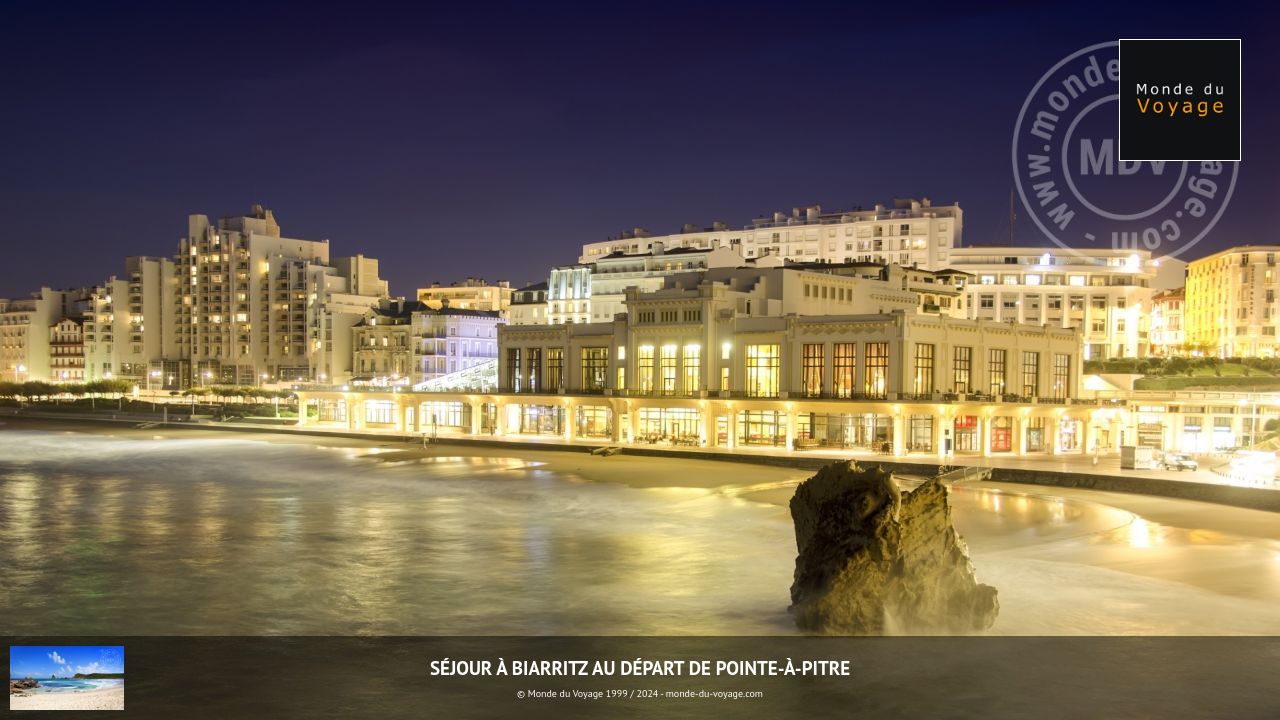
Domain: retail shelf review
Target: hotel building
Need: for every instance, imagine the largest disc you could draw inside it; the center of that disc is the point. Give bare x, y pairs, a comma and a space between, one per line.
256, 307
1231, 306
130, 326
1106, 293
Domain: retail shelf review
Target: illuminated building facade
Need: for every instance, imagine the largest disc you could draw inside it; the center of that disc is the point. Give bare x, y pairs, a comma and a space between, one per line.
1231, 303
255, 307
1107, 294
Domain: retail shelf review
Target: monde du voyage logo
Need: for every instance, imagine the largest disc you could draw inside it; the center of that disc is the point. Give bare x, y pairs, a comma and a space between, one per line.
1176, 173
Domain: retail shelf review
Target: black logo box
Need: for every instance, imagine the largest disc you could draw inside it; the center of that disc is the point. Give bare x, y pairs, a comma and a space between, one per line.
1187, 68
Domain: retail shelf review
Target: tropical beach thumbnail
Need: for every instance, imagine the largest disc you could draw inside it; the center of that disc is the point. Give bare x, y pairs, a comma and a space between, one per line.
66, 677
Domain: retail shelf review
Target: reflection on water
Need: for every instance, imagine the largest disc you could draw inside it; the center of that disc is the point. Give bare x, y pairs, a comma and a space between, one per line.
240, 537
232, 536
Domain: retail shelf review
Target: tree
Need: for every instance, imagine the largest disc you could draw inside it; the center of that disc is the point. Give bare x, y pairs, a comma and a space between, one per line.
33, 389
1176, 365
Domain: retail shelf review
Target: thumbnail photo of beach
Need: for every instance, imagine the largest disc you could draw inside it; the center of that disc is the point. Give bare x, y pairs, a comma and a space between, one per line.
66, 677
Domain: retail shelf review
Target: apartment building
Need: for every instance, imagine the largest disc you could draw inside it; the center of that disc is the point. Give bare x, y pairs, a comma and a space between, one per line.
1168, 334
405, 343
606, 280
1231, 306
911, 232
66, 351
256, 307
25, 335
1105, 293
130, 326
529, 305
470, 294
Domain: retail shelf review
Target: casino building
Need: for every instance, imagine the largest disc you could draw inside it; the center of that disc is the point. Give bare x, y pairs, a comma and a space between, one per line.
777, 358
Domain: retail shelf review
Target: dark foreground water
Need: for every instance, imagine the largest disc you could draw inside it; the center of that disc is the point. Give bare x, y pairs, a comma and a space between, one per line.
233, 536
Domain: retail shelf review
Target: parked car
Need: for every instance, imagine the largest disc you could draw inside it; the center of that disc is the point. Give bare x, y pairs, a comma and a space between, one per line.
1179, 461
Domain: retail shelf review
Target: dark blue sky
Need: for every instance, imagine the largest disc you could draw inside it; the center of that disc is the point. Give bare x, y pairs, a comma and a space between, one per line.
494, 140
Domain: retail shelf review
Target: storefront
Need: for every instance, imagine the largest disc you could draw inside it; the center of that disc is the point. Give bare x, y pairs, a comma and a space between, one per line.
449, 416
968, 438
920, 433
1224, 434
1002, 434
1150, 426
1193, 437
1070, 435
681, 426
594, 421
331, 411
379, 413
535, 419
1036, 440
765, 427
845, 430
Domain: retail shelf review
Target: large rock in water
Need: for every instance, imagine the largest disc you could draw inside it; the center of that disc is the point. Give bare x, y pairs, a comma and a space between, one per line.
873, 560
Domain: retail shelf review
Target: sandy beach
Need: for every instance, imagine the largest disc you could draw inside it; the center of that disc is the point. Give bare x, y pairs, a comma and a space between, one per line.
110, 698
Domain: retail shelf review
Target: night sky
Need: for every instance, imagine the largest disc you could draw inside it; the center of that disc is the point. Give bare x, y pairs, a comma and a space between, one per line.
494, 140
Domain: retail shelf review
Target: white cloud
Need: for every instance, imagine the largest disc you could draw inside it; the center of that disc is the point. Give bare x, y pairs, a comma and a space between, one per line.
54, 656
93, 667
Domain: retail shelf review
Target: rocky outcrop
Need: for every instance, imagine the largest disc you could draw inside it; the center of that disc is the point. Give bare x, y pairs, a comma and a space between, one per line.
873, 561
16, 687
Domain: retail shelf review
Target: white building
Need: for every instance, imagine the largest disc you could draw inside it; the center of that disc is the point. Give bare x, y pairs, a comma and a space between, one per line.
25, 332
130, 326
470, 294
529, 305
595, 292
257, 307
1106, 293
406, 343
912, 232
1168, 329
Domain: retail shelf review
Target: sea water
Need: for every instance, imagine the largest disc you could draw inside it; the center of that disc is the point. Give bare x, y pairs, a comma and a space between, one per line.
237, 536
73, 684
